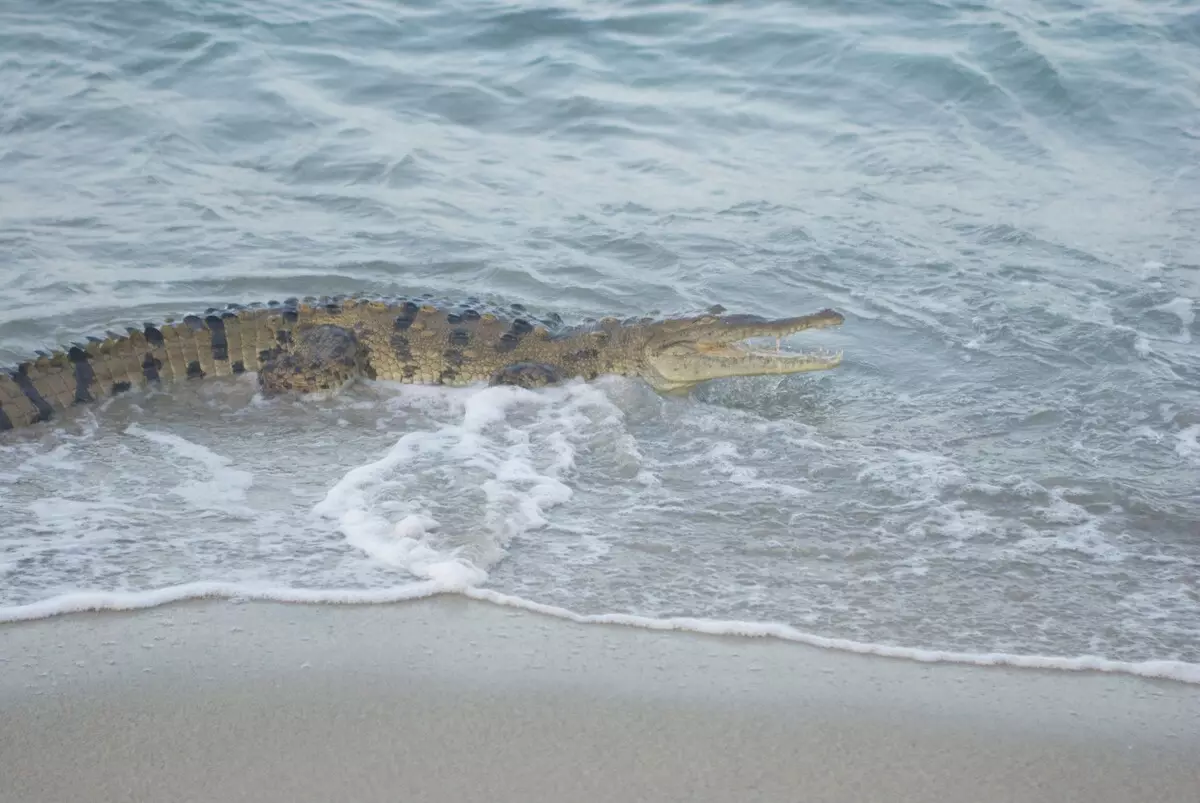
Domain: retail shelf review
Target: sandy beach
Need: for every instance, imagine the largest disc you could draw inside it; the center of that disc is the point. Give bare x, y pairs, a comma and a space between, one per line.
448, 699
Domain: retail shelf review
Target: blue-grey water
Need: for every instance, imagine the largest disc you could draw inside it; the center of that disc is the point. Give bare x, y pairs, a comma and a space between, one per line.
1003, 198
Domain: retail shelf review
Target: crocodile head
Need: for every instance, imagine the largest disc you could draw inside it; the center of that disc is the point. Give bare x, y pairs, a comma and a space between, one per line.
684, 352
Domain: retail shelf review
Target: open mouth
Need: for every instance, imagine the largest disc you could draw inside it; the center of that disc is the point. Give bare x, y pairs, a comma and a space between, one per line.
749, 345
778, 353
772, 360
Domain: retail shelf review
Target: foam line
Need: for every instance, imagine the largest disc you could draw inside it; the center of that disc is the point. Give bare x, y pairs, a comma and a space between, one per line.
1180, 671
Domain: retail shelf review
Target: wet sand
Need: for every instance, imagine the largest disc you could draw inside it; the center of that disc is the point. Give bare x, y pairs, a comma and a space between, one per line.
448, 699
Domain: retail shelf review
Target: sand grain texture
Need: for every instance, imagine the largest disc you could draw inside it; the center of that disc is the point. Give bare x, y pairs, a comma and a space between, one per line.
452, 700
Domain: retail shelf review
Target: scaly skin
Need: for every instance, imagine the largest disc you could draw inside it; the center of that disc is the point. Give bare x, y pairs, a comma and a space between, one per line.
306, 346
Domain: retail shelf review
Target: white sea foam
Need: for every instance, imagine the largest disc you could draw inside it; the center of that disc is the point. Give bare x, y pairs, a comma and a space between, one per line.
1151, 270
534, 499
958, 522
514, 467
221, 484
1184, 309
920, 474
1083, 538
86, 601
1170, 670
127, 601
725, 458
1187, 443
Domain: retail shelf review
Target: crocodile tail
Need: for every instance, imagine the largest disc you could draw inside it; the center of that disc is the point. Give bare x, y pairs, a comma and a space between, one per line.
218, 343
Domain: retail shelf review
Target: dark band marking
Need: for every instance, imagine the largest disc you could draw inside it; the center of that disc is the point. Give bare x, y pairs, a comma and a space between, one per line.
284, 336
5, 421
453, 357
409, 371
194, 371
84, 374
521, 327
150, 366
21, 377
407, 315
193, 322
239, 367
220, 343
507, 342
120, 387
447, 376
459, 337
290, 316
470, 315
154, 335
400, 346
453, 318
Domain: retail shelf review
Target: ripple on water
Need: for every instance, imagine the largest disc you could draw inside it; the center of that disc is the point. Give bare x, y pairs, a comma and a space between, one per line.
999, 199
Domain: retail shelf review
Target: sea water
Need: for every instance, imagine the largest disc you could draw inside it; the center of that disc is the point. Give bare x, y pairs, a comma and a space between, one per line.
1000, 197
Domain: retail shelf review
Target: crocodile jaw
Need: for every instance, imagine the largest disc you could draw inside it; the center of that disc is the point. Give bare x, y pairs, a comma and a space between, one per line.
705, 348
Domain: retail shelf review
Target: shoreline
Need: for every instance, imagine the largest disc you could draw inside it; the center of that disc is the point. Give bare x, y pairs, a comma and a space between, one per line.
98, 602
447, 698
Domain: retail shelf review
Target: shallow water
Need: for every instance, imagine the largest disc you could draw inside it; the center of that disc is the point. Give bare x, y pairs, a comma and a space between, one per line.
1000, 197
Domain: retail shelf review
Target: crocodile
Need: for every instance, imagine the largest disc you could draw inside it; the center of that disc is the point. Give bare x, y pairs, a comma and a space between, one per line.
321, 344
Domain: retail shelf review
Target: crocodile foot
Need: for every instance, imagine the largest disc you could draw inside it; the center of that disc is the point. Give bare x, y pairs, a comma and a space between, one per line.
527, 375
319, 358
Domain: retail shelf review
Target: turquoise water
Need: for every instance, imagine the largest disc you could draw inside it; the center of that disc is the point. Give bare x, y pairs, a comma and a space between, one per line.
1001, 197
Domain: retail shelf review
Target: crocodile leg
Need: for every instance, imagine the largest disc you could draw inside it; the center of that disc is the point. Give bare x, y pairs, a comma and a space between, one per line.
527, 375
321, 357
